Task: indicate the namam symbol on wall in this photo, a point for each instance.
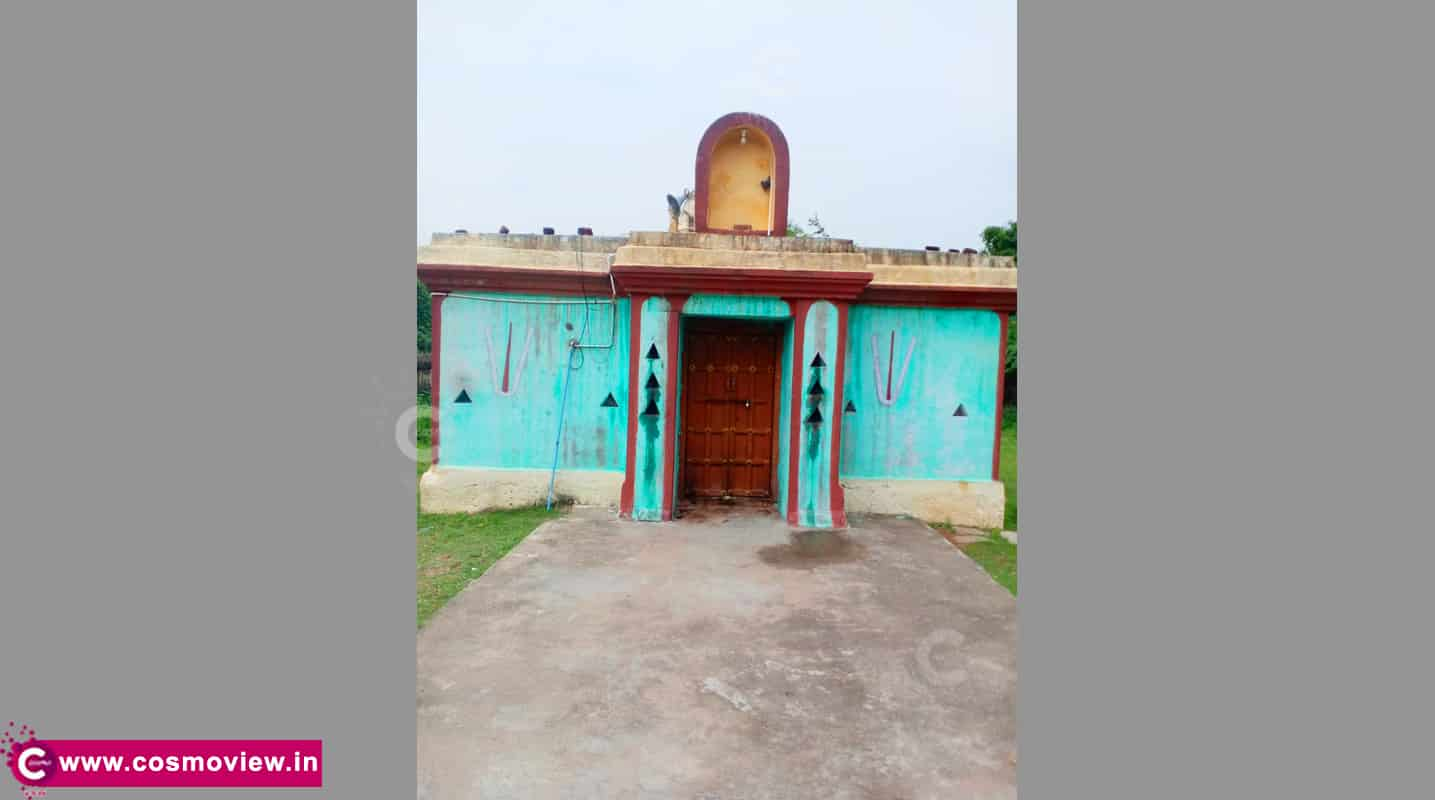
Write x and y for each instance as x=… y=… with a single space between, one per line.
x=506 y=383
x=815 y=392
x=652 y=386
x=887 y=391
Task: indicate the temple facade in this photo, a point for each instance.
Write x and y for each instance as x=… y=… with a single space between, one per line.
x=727 y=363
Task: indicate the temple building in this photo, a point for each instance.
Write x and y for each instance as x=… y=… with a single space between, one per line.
x=726 y=363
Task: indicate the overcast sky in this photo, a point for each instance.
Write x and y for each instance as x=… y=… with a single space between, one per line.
x=901 y=118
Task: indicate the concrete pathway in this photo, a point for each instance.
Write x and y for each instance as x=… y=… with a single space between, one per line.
x=721 y=658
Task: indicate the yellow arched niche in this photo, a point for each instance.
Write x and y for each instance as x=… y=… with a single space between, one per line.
x=735 y=193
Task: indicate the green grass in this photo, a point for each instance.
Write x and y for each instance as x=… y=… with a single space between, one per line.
x=996 y=555
x=993 y=553
x=423 y=433
x=454 y=549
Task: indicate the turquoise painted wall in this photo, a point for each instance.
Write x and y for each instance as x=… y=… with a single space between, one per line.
x=739 y=306
x=953 y=361
x=648 y=465
x=814 y=465
x=517 y=430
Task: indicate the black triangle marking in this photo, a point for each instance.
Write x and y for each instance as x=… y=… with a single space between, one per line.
x=653 y=351
x=961 y=411
x=817 y=360
x=652 y=409
x=463 y=397
x=609 y=401
x=850 y=409
x=814 y=417
x=652 y=382
x=817 y=388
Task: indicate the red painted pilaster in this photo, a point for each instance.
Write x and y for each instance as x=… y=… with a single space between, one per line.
x=839 y=500
x=635 y=355
x=798 y=378
x=670 y=401
x=1001 y=390
x=435 y=386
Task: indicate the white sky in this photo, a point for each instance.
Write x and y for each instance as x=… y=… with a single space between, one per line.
x=901 y=118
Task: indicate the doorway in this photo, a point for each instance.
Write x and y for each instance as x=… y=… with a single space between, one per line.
x=730 y=403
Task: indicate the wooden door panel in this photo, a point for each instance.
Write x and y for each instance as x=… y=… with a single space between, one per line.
x=702 y=423
x=728 y=414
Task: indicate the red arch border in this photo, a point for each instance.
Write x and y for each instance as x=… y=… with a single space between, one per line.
x=780 y=170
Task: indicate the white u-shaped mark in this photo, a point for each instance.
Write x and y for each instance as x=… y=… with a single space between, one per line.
x=887 y=393
x=500 y=386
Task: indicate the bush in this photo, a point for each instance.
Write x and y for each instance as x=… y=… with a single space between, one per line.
x=425 y=318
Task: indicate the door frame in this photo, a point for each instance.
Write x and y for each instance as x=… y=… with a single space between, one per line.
x=724 y=324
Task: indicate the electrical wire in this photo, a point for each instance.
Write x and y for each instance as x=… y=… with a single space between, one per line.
x=558 y=439
x=576 y=359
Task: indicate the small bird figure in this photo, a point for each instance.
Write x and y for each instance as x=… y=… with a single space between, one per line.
x=503 y=229
x=767 y=183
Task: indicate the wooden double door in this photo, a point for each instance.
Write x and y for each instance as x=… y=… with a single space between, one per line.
x=729 y=423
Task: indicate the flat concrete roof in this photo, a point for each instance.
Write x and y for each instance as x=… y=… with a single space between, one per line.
x=538 y=252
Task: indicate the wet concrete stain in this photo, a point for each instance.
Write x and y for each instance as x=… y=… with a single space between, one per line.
x=816 y=548
x=650 y=448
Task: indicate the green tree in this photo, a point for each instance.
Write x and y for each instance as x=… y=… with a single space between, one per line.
x=425 y=317
x=999 y=240
x=1011 y=344
x=813 y=224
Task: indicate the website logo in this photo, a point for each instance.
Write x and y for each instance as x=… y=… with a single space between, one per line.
x=30 y=760
x=39 y=766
